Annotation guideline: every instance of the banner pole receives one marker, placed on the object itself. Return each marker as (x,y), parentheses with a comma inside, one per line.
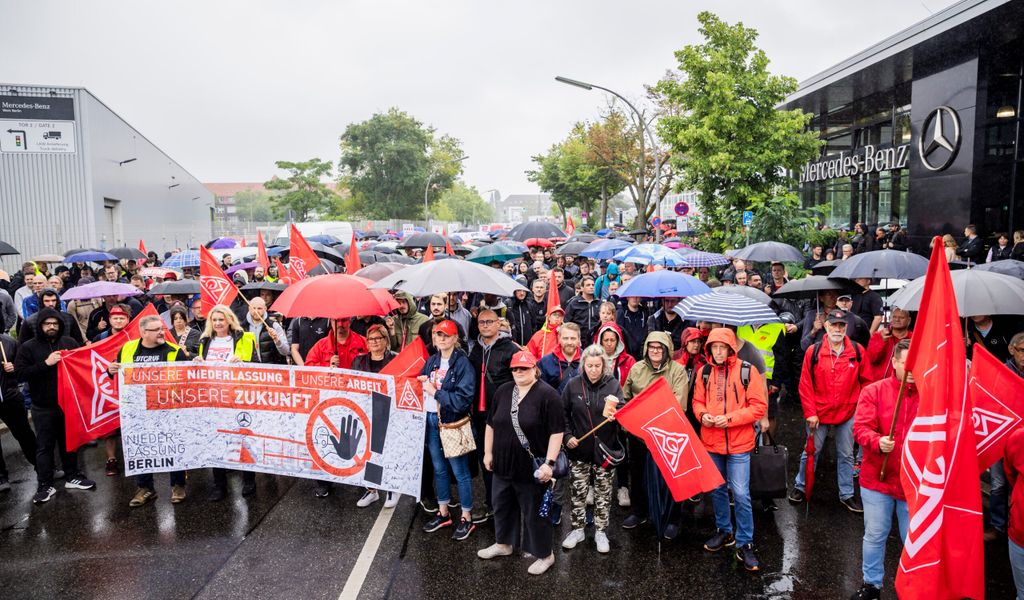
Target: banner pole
(892,428)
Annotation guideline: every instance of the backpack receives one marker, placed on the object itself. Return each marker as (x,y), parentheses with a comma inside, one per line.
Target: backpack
(817,350)
(705,374)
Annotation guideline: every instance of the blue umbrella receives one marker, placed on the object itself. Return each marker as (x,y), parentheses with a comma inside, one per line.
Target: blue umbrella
(663,284)
(605,249)
(188,258)
(276,251)
(651,254)
(89,256)
(602,232)
(730,309)
(496,252)
(222,243)
(696,258)
(326,240)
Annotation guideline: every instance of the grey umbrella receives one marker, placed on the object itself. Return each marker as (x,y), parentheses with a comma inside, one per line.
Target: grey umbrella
(422,240)
(6,248)
(534,229)
(768,252)
(808,287)
(977,293)
(825,267)
(439,276)
(882,264)
(749,292)
(183,287)
(1013,268)
(572,248)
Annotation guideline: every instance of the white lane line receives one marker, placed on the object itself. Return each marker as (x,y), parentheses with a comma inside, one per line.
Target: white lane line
(362,567)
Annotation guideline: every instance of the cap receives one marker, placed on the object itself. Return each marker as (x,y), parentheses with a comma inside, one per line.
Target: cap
(446,327)
(845,297)
(521,280)
(117,310)
(523,358)
(836,316)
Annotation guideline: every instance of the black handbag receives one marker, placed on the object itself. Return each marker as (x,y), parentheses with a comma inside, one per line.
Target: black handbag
(560,469)
(768,469)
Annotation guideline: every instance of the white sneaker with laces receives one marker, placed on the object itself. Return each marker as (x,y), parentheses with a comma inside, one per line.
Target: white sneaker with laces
(494,551)
(541,565)
(368,498)
(575,537)
(601,541)
(391,500)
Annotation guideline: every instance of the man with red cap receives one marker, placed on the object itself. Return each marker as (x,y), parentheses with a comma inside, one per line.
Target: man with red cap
(338,350)
(545,340)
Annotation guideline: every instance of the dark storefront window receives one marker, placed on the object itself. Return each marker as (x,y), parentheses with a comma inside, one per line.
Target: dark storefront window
(997,205)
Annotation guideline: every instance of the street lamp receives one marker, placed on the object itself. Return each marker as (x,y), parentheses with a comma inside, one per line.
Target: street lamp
(426,191)
(654,145)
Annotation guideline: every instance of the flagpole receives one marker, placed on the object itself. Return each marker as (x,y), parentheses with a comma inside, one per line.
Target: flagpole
(592,431)
(892,427)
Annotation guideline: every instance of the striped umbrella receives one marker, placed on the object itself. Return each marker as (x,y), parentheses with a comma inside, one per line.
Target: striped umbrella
(696,258)
(730,309)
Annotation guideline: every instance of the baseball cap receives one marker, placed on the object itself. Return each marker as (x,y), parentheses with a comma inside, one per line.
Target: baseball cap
(845,297)
(836,316)
(117,310)
(523,359)
(447,327)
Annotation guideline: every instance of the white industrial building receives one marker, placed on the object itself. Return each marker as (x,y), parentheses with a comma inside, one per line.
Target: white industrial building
(74,174)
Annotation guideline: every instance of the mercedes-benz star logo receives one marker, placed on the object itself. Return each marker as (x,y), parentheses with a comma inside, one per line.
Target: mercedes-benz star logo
(244,419)
(939,141)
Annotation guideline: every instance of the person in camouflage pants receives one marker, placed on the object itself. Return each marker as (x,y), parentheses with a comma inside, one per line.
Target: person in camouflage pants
(582,474)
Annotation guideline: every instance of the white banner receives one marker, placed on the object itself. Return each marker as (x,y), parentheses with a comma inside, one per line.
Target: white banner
(319,423)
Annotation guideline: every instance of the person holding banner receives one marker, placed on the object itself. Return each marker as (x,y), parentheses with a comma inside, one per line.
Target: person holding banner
(36,364)
(728,398)
(525,426)
(224,340)
(448,388)
(151,347)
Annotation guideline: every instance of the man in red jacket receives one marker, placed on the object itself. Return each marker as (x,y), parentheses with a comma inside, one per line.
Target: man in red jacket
(1013,462)
(340,350)
(871,426)
(833,373)
(884,340)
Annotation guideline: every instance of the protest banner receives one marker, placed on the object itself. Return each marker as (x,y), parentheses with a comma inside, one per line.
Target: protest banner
(331,424)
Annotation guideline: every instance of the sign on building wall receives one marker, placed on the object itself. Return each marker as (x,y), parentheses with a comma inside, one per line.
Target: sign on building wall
(37,124)
(865,161)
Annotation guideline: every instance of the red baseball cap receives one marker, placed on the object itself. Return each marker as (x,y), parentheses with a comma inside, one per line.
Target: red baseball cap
(117,310)
(523,358)
(447,327)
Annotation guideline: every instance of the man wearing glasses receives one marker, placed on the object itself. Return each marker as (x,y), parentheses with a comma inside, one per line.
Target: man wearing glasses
(151,347)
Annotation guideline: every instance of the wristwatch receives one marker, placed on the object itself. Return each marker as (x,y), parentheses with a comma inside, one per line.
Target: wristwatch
(549,462)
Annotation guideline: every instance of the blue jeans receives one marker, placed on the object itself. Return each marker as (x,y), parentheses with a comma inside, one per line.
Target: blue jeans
(146,479)
(1017,564)
(878,509)
(460,466)
(997,499)
(735,469)
(844,448)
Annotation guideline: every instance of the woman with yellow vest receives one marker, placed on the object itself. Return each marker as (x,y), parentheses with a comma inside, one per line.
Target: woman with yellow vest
(224,341)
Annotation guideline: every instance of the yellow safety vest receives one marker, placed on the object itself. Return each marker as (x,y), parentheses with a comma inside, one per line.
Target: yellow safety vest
(127,353)
(763,338)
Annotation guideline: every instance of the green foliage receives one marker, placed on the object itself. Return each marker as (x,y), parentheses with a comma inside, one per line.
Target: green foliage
(254,205)
(387,160)
(463,204)
(727,138)
(782,219)
(304,193)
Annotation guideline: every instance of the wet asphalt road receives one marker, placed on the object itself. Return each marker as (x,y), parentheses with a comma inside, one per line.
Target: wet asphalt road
(286,543)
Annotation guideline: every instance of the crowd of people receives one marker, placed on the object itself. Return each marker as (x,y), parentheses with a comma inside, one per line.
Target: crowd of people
(533,375)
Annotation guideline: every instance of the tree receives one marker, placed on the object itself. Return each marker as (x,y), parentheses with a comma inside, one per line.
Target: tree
(254,205)
(305,195)
(727,138)
(387,159)
(463,204)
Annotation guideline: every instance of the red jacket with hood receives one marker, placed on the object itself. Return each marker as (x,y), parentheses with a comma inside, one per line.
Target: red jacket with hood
(875,410)
(725,395)
(621,361)
(831,392)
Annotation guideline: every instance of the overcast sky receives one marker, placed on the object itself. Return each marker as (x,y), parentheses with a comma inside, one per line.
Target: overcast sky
(228,87)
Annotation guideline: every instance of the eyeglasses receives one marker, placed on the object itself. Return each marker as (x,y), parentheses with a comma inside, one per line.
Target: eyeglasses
(519,369)
(376,338)
(486,322)
(157,330)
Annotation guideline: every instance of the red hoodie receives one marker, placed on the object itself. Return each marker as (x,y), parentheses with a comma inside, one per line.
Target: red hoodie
(875,410)
(1013,464)
(621,361)
(831,392)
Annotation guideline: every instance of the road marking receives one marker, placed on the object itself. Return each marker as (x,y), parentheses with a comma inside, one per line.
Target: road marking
(362,567)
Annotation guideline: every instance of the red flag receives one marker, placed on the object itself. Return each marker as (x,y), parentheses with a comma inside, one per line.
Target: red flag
(86,393)
(261,253)
(142,248)
(214,286)
(369,226)
(448,248)
(943,555)
(655,416)
(553,298)
(282,272)
(570,227)
(241,243)
(428,254)
(352,262)
(301,259)
(997,395)
(409,361)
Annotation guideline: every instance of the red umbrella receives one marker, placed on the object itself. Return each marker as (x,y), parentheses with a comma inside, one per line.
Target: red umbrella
(334,296)
(808,468)
(542,242)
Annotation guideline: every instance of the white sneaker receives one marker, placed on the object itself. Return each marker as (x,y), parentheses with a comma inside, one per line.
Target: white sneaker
(623,497)
(590,496)
(391,500)
(542,565)
(601,540)
(368,498)
(575,537)
(494,551)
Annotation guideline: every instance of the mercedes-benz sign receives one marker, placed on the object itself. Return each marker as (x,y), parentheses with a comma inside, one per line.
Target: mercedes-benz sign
(940,137)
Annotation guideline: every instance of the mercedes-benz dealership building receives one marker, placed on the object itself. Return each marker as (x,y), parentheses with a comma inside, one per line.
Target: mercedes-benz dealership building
(924,128)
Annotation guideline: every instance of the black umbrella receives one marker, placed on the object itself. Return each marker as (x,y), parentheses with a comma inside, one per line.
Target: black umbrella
(572,248)
(809,287)
(883,264)
(586,238)
(439,256)
(273,286)
(660,503)
(79,251)
(128,253)
(768,252)
(6,248)
(825,267)
(639,232)
(373,233)
(422,240)
(534,229)
(183,287)
(1013,268)
(371,257)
